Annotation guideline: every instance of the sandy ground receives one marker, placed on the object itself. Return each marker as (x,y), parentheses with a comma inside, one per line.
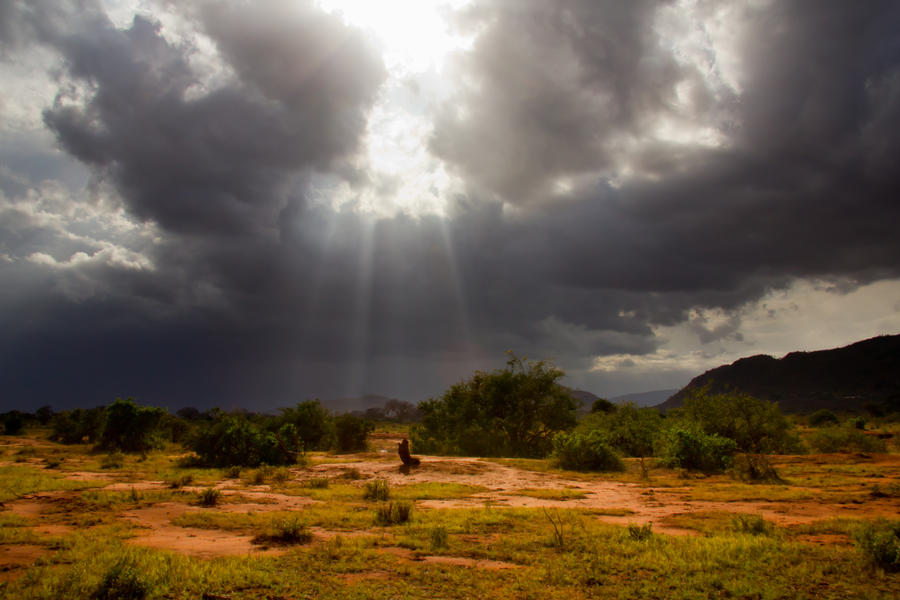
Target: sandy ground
(646,504)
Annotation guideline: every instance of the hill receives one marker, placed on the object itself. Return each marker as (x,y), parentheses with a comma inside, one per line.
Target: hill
(848,378)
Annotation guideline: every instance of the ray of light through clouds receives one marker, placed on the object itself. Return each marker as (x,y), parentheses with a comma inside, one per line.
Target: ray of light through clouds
(241,203)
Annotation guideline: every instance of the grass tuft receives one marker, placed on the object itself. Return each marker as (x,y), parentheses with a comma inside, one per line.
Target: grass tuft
(377,490)
(393,513)
(210,497)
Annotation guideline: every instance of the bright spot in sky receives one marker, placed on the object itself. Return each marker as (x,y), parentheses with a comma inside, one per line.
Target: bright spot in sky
(415,38)
(414,34)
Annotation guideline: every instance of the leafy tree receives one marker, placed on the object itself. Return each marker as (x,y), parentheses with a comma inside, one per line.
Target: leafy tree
(234,440)
(131,428)
(514,411)
(312,423)
(756,426)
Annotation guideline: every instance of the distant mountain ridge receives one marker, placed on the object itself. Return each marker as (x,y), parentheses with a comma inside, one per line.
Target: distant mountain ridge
(651,398)
(844,378)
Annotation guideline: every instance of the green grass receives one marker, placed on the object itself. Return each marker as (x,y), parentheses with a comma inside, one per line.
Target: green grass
(17,481)
(570,554)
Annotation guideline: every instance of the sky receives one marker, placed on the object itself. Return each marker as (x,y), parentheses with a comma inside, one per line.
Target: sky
(248,204)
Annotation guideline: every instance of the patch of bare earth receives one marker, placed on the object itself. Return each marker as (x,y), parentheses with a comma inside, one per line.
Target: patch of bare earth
(161,534)
(409,555)
(14,559)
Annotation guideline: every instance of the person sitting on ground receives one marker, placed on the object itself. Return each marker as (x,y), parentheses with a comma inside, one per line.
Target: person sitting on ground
(403,451)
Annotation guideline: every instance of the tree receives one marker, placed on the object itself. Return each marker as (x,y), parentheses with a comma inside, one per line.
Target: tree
(131,428)
(514,411)
(602,405)
(313,424)
(756,426)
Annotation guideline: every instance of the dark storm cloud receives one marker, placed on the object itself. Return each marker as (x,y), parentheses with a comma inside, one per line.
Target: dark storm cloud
(252,293)
(801,188)
(215,162)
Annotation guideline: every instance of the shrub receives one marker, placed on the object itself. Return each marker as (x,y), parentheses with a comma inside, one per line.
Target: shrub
(585,452)
(122,582)
(234,440)
(393,513)
(822,418)
(640,533)
(232,472)
(688,448)
(317,482)
(376,490)
(79,425)
(880,543)
(350,433)
(514,411)
(845,439)
(13,423)
(756,426)
(210,497)
(179,482)
(857,422)
(752,524)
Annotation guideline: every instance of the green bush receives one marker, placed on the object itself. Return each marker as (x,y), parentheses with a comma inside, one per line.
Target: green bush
(131,428)
(317,482)
(845,439)
(880,543)
(585,452)
(234,440)
(688,448)
(122,582)
(393,513)
(822,418)
(376,490)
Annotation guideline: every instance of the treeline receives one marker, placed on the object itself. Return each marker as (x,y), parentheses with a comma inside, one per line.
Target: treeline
(523,411)
(517,411)
(216,438)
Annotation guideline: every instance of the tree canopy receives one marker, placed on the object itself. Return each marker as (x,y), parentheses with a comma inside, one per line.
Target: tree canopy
(514,411)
